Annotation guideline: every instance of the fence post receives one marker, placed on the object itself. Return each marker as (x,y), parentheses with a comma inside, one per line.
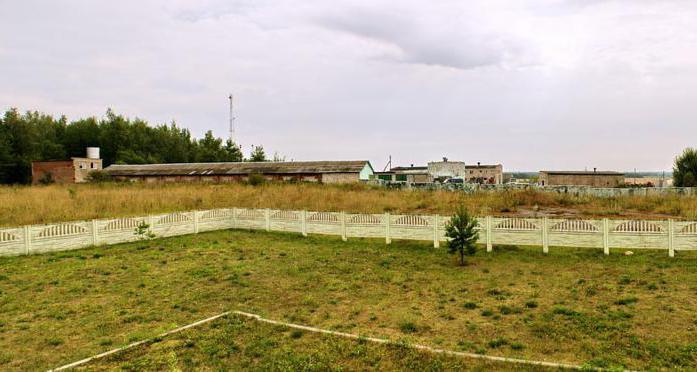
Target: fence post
(234,218)
(489,229)
(545,236)
(303,223)
(195,222)
(27,239)
(151,223)
(343,226)
(267,219)
(388,240)
(606,236)
(94,232)
(671,238)
(436,238)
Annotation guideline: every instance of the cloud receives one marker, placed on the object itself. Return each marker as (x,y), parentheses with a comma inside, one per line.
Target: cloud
(416,38)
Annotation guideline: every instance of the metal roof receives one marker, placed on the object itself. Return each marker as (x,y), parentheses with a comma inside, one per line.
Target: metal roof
(232,168)
(585,173)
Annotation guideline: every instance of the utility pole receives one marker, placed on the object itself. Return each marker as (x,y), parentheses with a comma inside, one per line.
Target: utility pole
(232,121)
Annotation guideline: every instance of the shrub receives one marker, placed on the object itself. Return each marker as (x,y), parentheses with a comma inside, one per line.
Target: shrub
(531,304)
(565,311)
(408,327)
(496,343)
(626,301)
(47,179)
(256,179)
(97,176)
(470,305)
(487,312)
(517,346)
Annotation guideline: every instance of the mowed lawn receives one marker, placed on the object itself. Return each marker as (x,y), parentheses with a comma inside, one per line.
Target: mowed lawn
(238,344)
(572,306)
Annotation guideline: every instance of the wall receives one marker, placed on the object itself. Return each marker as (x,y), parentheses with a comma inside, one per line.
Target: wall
(83,167)
(65,171)
(488,174)
(593,180)
(61,171)
(366,173)
(340,177)
(438,169)
(602,234)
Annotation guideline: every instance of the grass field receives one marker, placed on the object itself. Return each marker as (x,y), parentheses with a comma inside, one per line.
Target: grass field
(21,205)
(236,344)
(573,306)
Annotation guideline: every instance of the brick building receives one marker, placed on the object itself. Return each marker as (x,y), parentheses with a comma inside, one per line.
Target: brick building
(74,170)
(593,178)
(307,171)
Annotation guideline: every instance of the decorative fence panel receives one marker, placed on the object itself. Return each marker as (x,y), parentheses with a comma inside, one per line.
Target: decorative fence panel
(366,225)
(546,232)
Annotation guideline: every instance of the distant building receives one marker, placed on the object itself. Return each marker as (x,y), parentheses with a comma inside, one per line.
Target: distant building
(310,171)
(74,170)
(649,181)
(581,178)
(409,174)
(484,174)
(446,169)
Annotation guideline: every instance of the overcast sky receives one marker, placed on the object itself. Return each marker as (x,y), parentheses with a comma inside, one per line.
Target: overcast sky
(545,84)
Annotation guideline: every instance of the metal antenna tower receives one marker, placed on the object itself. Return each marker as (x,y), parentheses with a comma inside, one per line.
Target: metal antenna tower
(232,121)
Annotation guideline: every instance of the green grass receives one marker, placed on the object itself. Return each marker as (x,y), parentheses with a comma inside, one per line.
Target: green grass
(237,344)
(61,307)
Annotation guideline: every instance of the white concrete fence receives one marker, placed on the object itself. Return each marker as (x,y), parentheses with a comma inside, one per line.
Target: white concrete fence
(545,232)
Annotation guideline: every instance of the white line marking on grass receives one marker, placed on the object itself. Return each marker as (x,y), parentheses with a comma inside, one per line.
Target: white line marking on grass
(413,346)
(334,333)
(114,351)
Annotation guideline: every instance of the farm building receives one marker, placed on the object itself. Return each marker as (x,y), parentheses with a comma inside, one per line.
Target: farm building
(74,170)
(484,174)
(581,178)
(409,174)
(310,171)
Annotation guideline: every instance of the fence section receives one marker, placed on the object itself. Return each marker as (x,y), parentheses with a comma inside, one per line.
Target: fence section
(569,190)
(545,232)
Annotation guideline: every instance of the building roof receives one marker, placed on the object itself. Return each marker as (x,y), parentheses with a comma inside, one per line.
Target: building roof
(401,169)
(232,168)
(584,173)
(483,166)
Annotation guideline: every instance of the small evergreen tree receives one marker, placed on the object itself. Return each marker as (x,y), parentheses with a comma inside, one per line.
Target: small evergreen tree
(685,169)
(462,233)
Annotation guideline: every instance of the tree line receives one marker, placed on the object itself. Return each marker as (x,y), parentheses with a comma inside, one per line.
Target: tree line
(31,136)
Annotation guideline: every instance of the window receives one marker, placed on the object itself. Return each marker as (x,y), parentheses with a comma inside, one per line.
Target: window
(92,165)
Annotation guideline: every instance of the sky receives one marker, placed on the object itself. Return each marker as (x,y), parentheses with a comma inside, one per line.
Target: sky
(530,84)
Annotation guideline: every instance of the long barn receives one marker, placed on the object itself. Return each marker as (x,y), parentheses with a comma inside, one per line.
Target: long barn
(306,171)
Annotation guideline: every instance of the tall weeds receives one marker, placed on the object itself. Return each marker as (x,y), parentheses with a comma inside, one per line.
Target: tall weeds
(42,204)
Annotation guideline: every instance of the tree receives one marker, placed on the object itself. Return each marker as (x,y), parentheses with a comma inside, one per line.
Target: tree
(462,233)
(258,154)
(685,169)
(233,152)
(33,136)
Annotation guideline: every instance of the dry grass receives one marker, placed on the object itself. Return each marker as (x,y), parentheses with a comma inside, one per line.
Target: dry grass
(43,204)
